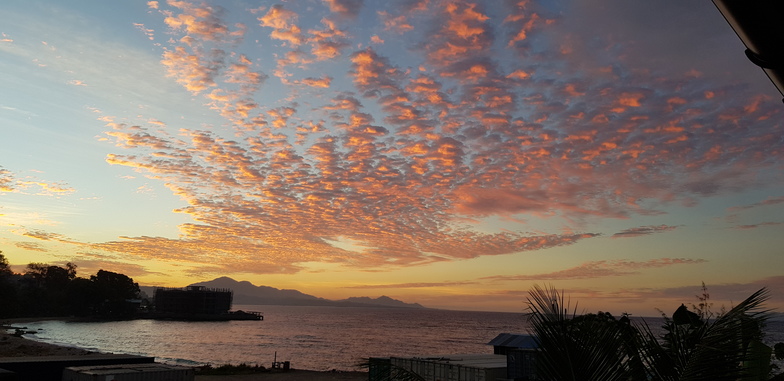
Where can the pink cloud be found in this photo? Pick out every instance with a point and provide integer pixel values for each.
(398, 23)
(406, 154)
(413, 285)
(346, 8)
(601, 269)
(767, 202)
(643, 230)
(759, 225)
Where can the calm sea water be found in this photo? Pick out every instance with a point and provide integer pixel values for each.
(314, 338)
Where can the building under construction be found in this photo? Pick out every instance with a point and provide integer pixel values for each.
(193, 300)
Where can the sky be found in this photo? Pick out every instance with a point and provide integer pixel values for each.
(450, 153)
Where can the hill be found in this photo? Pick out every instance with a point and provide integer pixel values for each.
(247, 293)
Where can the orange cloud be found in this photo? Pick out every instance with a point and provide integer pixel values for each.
(398, 24)
(200, 22)
(282, 21)
(403, 157)
(318, 82)
(195, 73)
(9, 182)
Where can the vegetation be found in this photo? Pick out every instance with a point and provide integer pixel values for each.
(383, 370)
(50, 290)
(692, 346)
(229, 369)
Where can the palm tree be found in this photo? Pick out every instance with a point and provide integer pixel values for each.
(586, 347)
(599, 347)
(727, 348)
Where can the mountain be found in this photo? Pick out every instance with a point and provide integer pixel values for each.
(247, 293)
(381, 301)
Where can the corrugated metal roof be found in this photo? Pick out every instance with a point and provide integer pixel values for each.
(514, 340)
(477, 361)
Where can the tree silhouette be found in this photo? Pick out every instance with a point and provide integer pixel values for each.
(50, 290)
(693, 347)
(115, 290)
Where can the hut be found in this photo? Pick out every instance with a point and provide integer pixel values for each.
(520, 352)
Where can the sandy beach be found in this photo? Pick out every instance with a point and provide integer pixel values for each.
(14, 346)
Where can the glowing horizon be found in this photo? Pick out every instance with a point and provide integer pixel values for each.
(449, 153)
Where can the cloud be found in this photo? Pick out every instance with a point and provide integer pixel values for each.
(398, 23)
(643, 230)
(721, 294)
(282, 21)
(49, 236)
(345, 8)
(6, 181)
(10, 182)
(412, 285)
(150, 33)
(468, 117)
(600, 269)
(759, 225)
(90, 263)
(32, 246)
(767, 202)
(197, 63)
(199, 22)
(323, 82)
(194, 72)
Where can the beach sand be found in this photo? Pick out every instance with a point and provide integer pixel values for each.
(13, 346)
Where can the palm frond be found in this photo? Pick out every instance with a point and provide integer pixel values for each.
(711, 351)
(588, 347)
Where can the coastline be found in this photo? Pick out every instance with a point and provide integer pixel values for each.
(19, 346)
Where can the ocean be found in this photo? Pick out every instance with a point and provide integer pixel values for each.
(312, 338)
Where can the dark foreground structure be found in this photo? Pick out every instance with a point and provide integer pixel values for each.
(513, 359)
(50, 368)
(758, 25)
(197, 300)
(197, 303)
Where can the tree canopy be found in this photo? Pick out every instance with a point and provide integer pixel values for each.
(51, 290)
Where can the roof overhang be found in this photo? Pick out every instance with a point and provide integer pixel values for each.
(760, 26)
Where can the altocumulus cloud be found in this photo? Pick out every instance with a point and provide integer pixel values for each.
(472, 121)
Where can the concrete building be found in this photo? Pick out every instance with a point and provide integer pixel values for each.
(193, 300)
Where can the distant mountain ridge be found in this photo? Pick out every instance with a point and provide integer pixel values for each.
(382, 301)
(247, 293)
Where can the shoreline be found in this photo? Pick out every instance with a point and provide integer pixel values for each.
(19, 346)
(12, 345)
